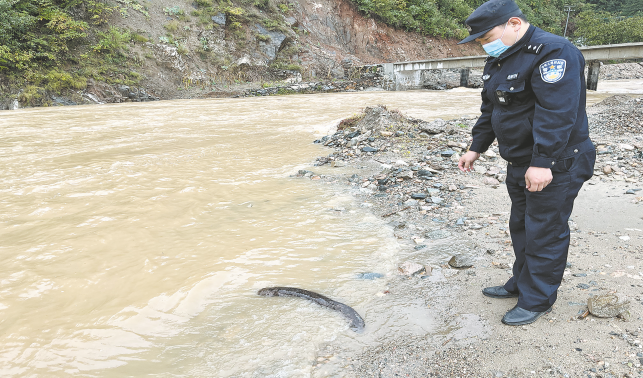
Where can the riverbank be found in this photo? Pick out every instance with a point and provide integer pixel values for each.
(358, 78)
(408, 175)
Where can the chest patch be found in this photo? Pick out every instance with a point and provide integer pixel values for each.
(553, 70)
(512, 76)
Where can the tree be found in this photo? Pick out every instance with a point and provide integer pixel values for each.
(603, 28)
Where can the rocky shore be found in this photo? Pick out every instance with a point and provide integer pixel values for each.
(408, 175)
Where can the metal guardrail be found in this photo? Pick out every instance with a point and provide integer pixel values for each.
(602, 52)
(409, 74)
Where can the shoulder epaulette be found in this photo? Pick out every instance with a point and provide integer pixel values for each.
(533, 48)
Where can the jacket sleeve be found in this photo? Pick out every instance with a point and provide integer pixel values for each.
(556, 83)
(482, 131)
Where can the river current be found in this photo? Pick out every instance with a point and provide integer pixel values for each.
(135, 236)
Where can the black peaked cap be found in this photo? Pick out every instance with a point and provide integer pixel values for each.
(489, 15)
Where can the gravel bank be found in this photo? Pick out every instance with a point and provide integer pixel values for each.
(408, 175)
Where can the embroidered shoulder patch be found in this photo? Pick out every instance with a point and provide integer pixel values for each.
(553, 70)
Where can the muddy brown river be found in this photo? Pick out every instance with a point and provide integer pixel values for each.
(135, 236)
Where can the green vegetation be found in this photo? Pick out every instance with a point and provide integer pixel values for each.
(620, 19)
(61, 45)
(602, 28)
(43, 48)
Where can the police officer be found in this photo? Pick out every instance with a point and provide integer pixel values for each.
(533, 103)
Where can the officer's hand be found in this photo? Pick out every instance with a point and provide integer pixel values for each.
(466, 161)
(537, 178)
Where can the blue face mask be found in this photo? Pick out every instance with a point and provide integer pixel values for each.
(495, 48)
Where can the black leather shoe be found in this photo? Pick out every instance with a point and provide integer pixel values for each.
(498, 292)
(519, 316)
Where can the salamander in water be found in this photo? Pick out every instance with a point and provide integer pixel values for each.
(356, 321)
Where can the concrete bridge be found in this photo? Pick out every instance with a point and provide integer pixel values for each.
(408, 75)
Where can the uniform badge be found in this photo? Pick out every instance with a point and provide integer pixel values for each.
(485, 77)
(512, 76)
(553, 70)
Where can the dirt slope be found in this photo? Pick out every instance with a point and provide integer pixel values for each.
(315, 37)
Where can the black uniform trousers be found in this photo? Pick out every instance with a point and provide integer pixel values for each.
(539, 228)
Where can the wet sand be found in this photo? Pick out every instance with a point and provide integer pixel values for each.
(467, 338)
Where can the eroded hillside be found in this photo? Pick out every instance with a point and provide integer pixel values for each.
(187, 49)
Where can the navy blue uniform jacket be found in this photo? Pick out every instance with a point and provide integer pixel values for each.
(533, 100)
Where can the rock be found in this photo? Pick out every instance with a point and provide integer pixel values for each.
(219, 18)
(337, 164)
(460, 222)
(14, 105)
(369, 275)
(435, 127)
(369, 149)
(410, 268)
(425, 173)
(583, 286)
(632, 191)
(447, 153)
(607, 169)
(437, 234)
(480, 169)
(304, 173)
(490, 181)
(461, 261)
(407, 175)
(437, 200)
(607, 305)
(452, 188)
(579, 275)
(386, 133)
(271, 47)
(419, 196)
(626, 147)
(624, 238)
(492, 171)
(410, 202)
(490, 153)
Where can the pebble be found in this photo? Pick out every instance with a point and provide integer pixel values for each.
(490, 181)
(419, 195)
(632, 191)
(369, 275)
(461, 261)
(411, 268)
(369, 149)
(582, 286)
(607, 305)
(627, 147)
(480, 169)
(437, 234)
(447, 153)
